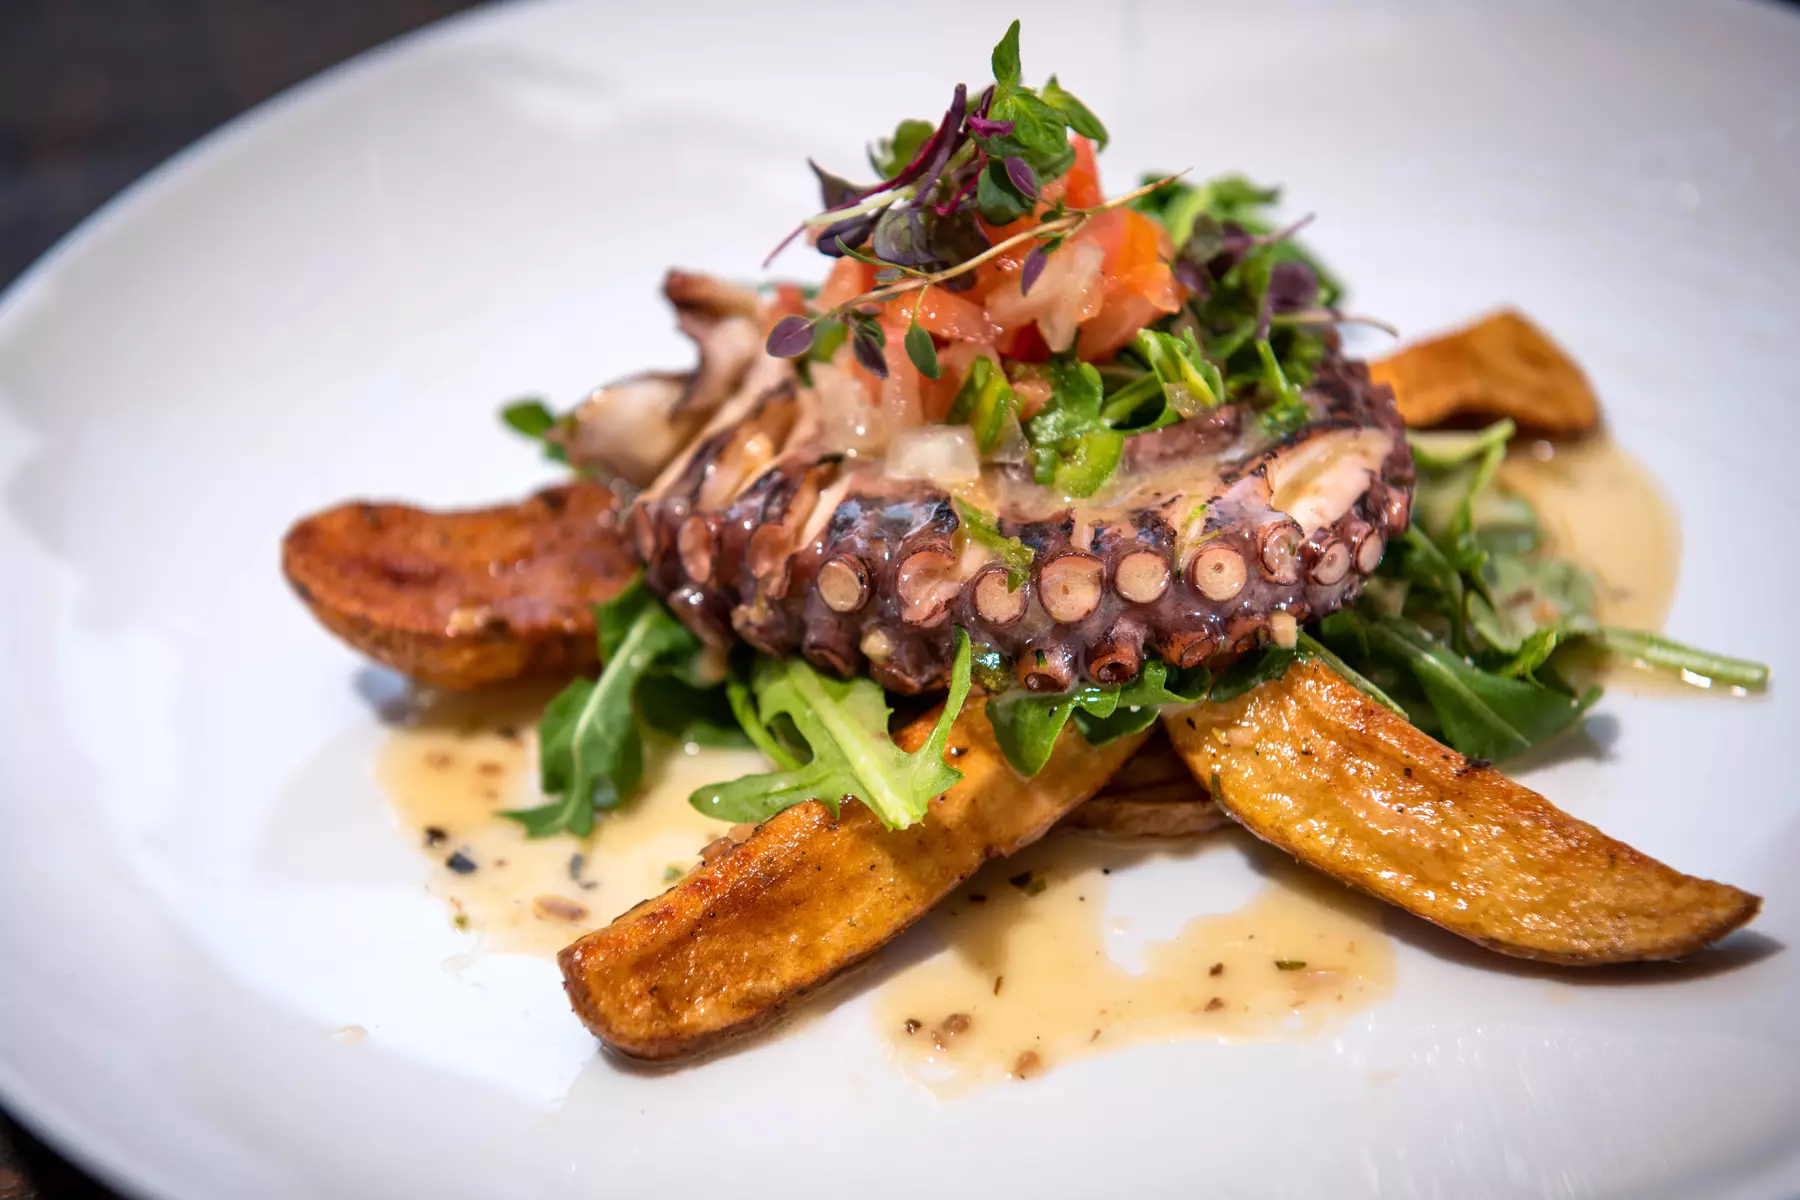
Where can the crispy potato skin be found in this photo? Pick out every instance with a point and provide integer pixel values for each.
(1501, 366)
(464, 599)
(1312, 766)
(1153, 795)
(806, 896)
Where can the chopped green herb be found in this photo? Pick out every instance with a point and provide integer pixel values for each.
(985, 403)
(984, 529)
(531, 418)
(1290, 964)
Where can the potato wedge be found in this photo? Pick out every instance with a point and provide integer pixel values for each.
(806, 896)
(1312, 766)
(1501, 366)
(1153, 795)
(464, 599)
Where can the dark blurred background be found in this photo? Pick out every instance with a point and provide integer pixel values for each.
(93, 93)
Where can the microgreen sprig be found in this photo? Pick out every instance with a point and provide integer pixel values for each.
(785, 338)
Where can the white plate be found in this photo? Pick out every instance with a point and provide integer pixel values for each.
(330, 298)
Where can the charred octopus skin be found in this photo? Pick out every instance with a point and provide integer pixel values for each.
(1213, 535)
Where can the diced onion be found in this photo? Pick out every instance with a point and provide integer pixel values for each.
(940, 454)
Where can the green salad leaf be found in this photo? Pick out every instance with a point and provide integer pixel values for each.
(1027, 724)
(531, 418)
(590, 749)
(843, 724)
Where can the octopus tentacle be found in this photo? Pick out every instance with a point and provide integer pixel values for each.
(1211, 538)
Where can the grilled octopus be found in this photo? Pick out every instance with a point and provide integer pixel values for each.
(772, 526)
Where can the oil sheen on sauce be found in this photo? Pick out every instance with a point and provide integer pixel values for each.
(457, 762)
(1599, 507)
(1027, 980)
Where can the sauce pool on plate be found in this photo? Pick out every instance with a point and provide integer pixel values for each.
(1027, 981)
(460, 761)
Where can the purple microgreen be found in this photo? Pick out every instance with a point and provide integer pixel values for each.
(791, 337)
(834, 190)
(1022, 176)
(1035, 262)
(968, 185)
(958, 283)
(852, 231)
(1000, 202)
(928, 153)
(889, 275)
(980, 126)
(922, 351)
(867, 342)
(1282, 235)
(783, 244)
(1292, 286)
(947, 141)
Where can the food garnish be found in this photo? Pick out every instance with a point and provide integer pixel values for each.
(1063, 460)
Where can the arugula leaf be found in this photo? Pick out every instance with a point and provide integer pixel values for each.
(1444, 450)
(1026, 724)
(689, 713)
(984, 529)
(1251, 672)
(1311, 647)
(845, 724)
(1141, 701)
(1286, 412)
(590, 752)
(1484, 715)
(1669, 655)
(1079, 116)
(531, 418)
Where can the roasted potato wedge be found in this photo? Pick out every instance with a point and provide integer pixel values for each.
(1153, 795)
(1501, 366)
(729, 947)
(464, 599)
(1312, 766)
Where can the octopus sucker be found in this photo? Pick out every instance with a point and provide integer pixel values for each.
(1211, 537)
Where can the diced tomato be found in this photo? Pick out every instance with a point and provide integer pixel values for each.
(1025, 344)
(1081, 184)
(848, 279)
(949, 316)
(788, 301)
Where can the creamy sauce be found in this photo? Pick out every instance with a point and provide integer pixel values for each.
(1027, 981)
(1600, 508)
(459, 761)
